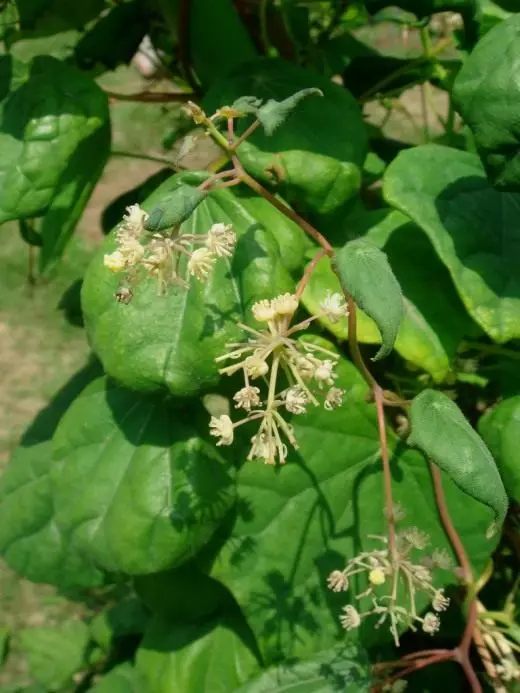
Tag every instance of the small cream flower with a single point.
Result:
(334, 398)
(221, 240)
(134, 219)
(377, 577)
(334, 306)
(440, 602)
(304, 366)
(222, 427)
(431, 623)
(263, 311)
(337, 581)
(285, 304)
(201, 263)
(442, 559)
(416, 538)
(508, 670)
(296, 399)
(195, 112)
(131, 250)
(324, 372)
(256, 367)
(260, 448)
(350, 618)
(115, 261)
(247, 397)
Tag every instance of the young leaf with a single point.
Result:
(316, 161)
(273, 113)
(486, 91)
(443, 433)
(137, 484)
(174, 208)
(500, 428)
(447, 194)
(216, 656)
(55, 654)
(366, 275)
(343, 668)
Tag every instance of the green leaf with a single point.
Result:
(30, 541)
(36, 13)
(342, 668)
(4, 645)
(183, 594)
(174, 208)
(297, 523)
(136, 482)
(366, 275)
(500, 429)
(216, 656)
(121, 679)
(316, 160)
(434, 319)
(442, 432)
(273, 113)
(127, 617)
(471, 227)
(55, 138)
(485, 93)
(171, 341)
(55, 654)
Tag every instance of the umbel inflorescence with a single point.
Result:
(161, 255)
(295, 373)
(394, 582)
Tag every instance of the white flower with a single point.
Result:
(440, 602)
(304, 366)
(350, 618)
(376, 577)
(422, 574)
(324, 372)
(221, 240)
(285, 304)
(115, 261)
(337, 581)
(334, 398)
(334, 306)
(201, 263)
(222, 427)
(255, 367)
(442, 559)
(260, 448)
(416, 538)
(131, 250)
(508, 670)
(247, 398)
(431, 623)
(263, 311)
(134, 219)
(296, 400)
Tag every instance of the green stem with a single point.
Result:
(493, 349)
(145, 157)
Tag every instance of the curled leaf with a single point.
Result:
(174, 208)
(273, 113)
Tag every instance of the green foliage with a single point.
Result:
(315, 158)
(499, 428)
(274, 113)
(485, 92)
(55, 654)
(446, 193)
(127, 617)
(175, 208)
(368, 278)
(442, 432)
(121, 679)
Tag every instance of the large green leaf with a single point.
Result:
(55, 654)
(485, 92)
(121, 679)
(55, 139)
(315, 156)
(215, 657)
(342, 668)
(30, 540)
(442, 432)
(500, 428)
(366, 275)
(434, 319)
(471, 226)
(172, 341)
(297, 523)
(136, 481)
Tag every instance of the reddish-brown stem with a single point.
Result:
(440, 656)
(353, 343)
(471, 674)
(243, 137)
(308, 271)
(149, 96)
(226, 184)
(217, 177)
(387, 474)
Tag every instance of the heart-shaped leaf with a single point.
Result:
(500, 428)
(367, 277)
(442, 432)
(136, 482)
(314, 158)
(172, 341)
(471, 226)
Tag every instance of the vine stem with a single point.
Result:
(150, 96)
(387, 474)
(308, 272)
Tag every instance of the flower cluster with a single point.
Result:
(271, 355)
(393, 580)
(501, 648)
(160, 255)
